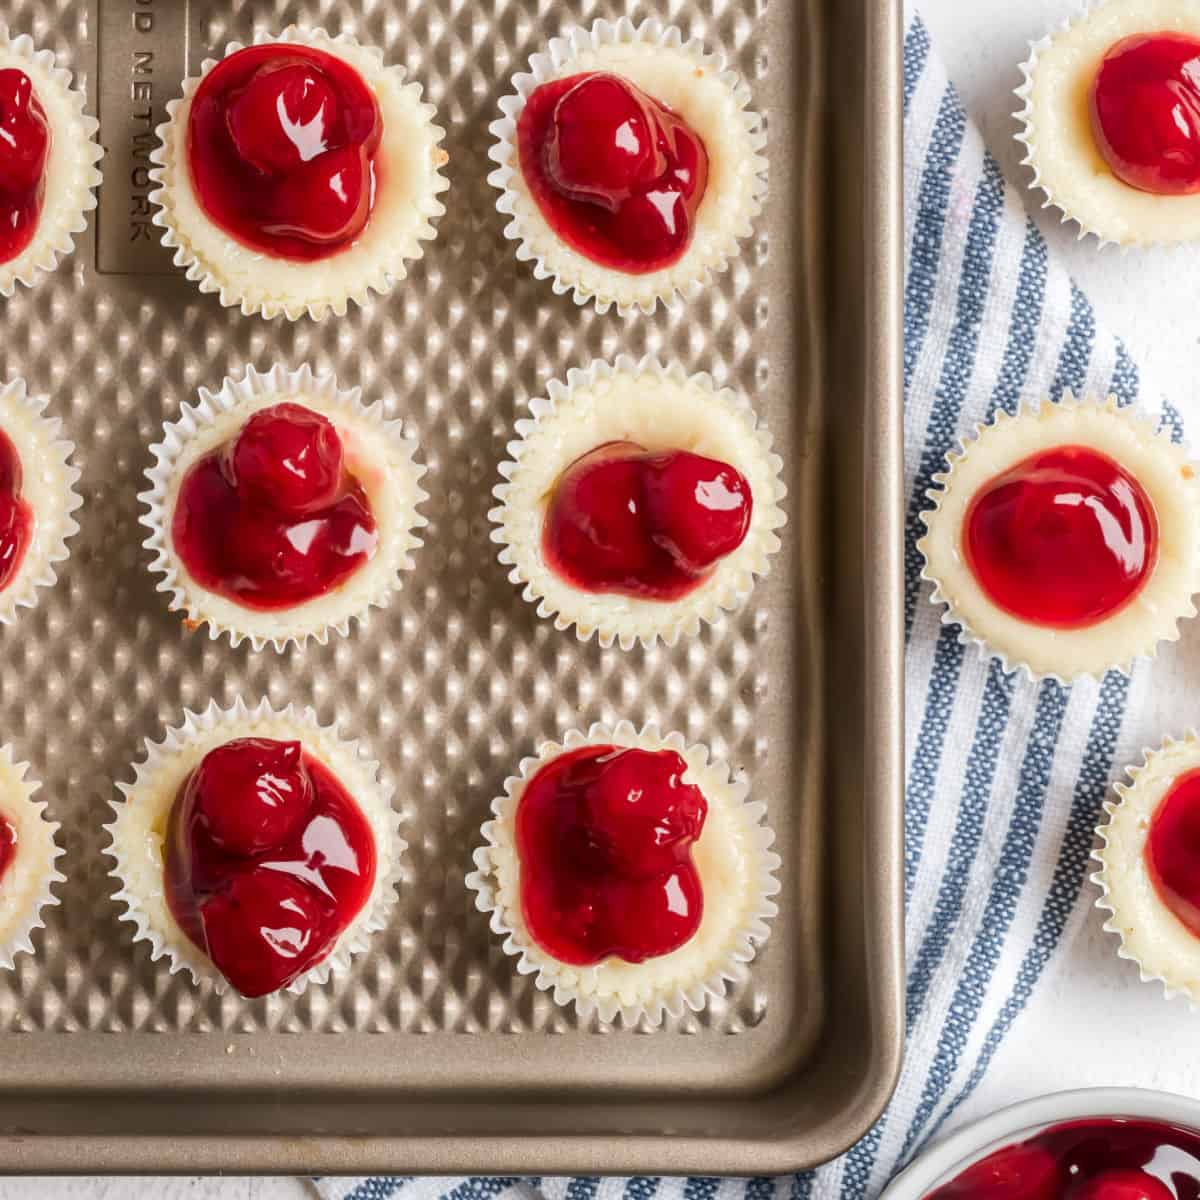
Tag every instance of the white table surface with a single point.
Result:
(1089, 1002)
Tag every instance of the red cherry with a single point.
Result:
(16, 517)
(1122, 1183)
(640, 814)
(249, 794)
(1063, 538)
(595, 514)
(699, 508)
(604, 835)
(1172, 851)
(645, 918)
(1145, 112)
(1021, 1172)
(8, 844)
(24, 134)
(258, 930)
(289, 457)
(284, 117)
(603, 141)
(327, 199)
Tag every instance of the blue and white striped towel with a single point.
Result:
(1005, 777)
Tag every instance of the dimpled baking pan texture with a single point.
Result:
(433, 1054)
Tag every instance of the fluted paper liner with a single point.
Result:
(1055, 132)
(378, 452)
(737, 870)
(47, 486)
(406, 205)
(1150, 934)
(71, 171)
(1135, 630)
(660, 407)
(25, 889)
(697, 85)
(138, 830)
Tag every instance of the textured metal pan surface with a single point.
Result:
(434, 1054)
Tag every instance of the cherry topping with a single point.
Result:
(285, 116)
(617, 175)
(8, 844)
(24, 148)
(1106, 1158)
(250, 794)
(1123, 1183)
(326, 201)
(274, 518)
(1145, 112)
(603, 142)
(268, 861)
(282, 141)
(624, 520)
(1023, 1172)
(1065, 538)
(290, 457)
(16, 517)
(1173, 849)
(604, 836)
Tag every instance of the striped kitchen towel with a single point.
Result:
(1005, 777)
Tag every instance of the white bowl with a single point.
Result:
(943, 1161)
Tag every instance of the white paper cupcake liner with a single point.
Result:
(714, 101)
(1054, 129)
(1151, 936)
(71, 170)
(734, 847)
(661, 408)
(378, 452)
(47, 486)
(1152, 616)
(406, 206)
(138, 829)
(25, 888)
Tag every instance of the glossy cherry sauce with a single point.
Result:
(1173, 849)
(648, 525)
(25, 138)
(282, 143)
(1145, 112)
(274, 518)
(617, 175)
(1064, 538)
(16, 517)
(268, 860)
(8, 845)
(604, 836)
(1107, 1158)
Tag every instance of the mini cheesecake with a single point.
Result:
(298, 175)
(255, 849)
(29, 851)
(629, 872)
(1110, 120)
(638, 503)
(1150, 867)
(37, 498)
(48, 157)
(281, 507)
(630, 164)
(1066, 539)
